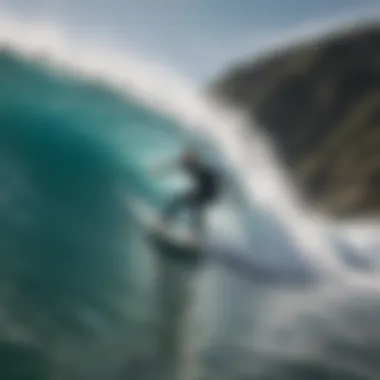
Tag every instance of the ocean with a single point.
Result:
(283, 295)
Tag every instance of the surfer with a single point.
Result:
(205, 190)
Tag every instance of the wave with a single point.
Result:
(79, 128)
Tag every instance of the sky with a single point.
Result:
(197, 37)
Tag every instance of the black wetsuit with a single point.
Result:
(205, 191)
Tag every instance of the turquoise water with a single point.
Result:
(71, 150)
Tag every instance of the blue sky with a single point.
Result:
(197, 37)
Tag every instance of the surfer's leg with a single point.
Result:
(172, 209)
(197, 205)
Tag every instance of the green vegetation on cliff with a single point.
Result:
(320, 104)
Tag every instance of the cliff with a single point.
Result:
(320, 104)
